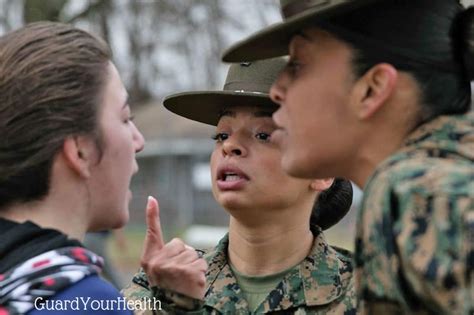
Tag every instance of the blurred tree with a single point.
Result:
(9, 14)
(40, 10)
(160, 46)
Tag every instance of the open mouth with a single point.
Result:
(231, 177)
(231, 174)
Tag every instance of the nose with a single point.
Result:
(138, 139)
(233, 147)
(277, 91)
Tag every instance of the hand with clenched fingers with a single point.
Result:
(174, 265)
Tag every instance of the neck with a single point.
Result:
(65, 208)
(60, 211)
(390, 133)
(272, 248)
(378, 146)
(366, 163)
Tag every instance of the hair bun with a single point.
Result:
(332, 204)
(465, 39)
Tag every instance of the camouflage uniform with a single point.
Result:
(321, 284)
(415, 233)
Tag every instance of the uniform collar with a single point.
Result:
(445, 136)
(223, 292)
(319, 279)
(442, 131)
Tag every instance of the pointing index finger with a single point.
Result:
(154, 235)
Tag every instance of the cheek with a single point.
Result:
(317, 108)
(270, 167)
(213, 165)
(276, 183)
(119, 154)
(119, 148)
(301, 103)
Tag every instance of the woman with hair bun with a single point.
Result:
(275, 258)
(387, 82)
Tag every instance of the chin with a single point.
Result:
(231, 204)
(123, 218)
(296, 167)
(115, 220)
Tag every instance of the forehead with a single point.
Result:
(313, 38)
(243, 111)
(114, 90)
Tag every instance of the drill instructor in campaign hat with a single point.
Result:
(275, 258)
(388, 84)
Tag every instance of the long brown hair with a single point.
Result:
(51, 78)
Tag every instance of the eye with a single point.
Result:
(220, 137)
(293, 66)
(263, 136)
(129, 119)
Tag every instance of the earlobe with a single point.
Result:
(321, 184)
(378, 86)
(75, 152)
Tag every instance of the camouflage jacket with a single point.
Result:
(415, 230)
(321, 284)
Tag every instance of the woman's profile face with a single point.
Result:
(314, 116)
(110, 177)
(245, 164)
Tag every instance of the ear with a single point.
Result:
(374, 88)
(79, 154)
(321, 184)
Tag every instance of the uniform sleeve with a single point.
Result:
(170, 302)
(435, 238)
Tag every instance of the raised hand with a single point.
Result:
(174, 265)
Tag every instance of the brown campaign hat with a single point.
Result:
(273, 41)
(246, 84)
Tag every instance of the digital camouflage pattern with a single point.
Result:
(321, 284)
(415, 231)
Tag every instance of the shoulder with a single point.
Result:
(413, 197)
(346, 302)
(330, 267)
(93, 287)
(343, 254)
(329, 287)
(404, 180)
(437, 158)
(93, 294)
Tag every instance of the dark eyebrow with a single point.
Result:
(304, 35)
(258, 113)
(226, 112)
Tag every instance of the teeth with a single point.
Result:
(231, 177)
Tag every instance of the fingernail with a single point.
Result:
(149, 201)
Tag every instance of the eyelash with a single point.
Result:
(218, 137)
(129, 119)
(222, 136)
(293, 66)
(267, 139)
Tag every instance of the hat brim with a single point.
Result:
(206, 106)
(273, 41)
